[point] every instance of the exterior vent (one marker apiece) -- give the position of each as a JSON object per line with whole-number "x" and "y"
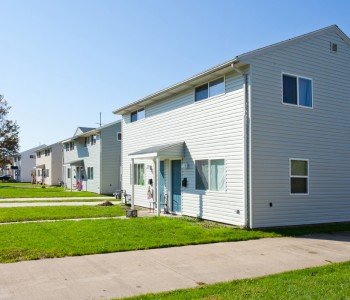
{"x": 334, "y": 47}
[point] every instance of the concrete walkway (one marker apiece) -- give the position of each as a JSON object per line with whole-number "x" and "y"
{"x": 61, "y": 203}
{"x": 57, "y": 198}
{"x": 131, "y": 273}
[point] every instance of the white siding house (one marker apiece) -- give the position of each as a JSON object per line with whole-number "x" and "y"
{"x": 91, "y": 159}
{"x": 23, "y": 165}
{"x": 261, "y": 140}
{"x": 48, "y": 169}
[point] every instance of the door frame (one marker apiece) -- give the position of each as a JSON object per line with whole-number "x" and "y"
{"x": 171, "y": 186}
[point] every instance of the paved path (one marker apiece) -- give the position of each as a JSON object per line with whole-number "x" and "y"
{"x": 130, "y": 273}
{"x": 57, "y": 198}
{"x": 61, "y": 203}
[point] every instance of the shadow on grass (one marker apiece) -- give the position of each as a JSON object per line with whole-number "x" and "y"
{"x": 321, "y": 231}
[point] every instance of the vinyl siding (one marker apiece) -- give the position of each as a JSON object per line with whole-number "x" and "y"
{"x": 212, "y": 128}
{"x": 91, "y": 157}
{"x": 110, "y": 159}
{"x": 280, "y": 132}
{"x": 25, "y": 165}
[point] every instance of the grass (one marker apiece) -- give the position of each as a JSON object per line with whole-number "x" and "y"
{"x": 17, "y": 214}
{"x": 327, "y": 282}
{"x": 69, "y": 238}
{"x": 27, "y": 190}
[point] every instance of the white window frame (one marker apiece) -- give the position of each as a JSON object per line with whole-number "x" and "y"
{"x": 90, "y": 171}
{"x": 209, "y": 97}
{"x": 121, "y": 136}
{"x": 299, "y": 176}
{"x": 136, "y": 176}
{"x": 137, "y": 110}
{"x": 297, "y": 77}
{"x": 209, "y": 164}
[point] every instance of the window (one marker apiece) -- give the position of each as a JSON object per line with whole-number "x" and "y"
{"x": 93, "y": 139}
{"x": 139, "y": 174}
{"x": 299, "y": 176}
{"x": 202, "y": 170}
{"x": 31, "y": 156}
{"x": 137, "y": 115}
{"x": 90, "y": 171}
{"x": 47, "y": 152}
{"x": 47, "y": 173}
{"x": 39, "y": 173}
{"x": 85, "y": 142}
{"x": 297, "y": 90}
{"x": 68, "y": 173}
{"x": 66, "y": 146}
{"x": 38, "y": 154}
{"x": 210, "y": 175}
{"x": 119, "y": 136}
{"x": 210, "y": 89}
{"x": 71, "y": 146}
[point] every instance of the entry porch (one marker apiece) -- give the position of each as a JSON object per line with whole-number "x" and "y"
{"x": 159, "y": 170}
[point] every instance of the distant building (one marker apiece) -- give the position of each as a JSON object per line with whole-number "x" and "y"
{"x": 91, "y": 159}
{"x": 23, "y": 165}
{"x": 48, "y": 169}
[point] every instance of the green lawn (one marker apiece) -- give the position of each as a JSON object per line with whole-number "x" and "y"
{"x": 27, "y": 190}
{"x": 68, "y": 238}
{"x": 17, "y": 214}
{"x": 328, "y": 282}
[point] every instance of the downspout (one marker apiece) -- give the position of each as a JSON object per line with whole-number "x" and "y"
{"x": 247, "y": 145}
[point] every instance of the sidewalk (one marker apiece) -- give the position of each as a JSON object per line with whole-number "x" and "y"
{"x": 61, "y": 203}
{"x": 105, "y": 276}
{"x": 57, "y": 198}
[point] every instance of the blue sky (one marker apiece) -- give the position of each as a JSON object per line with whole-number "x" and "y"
{"x": 63, "y": 62}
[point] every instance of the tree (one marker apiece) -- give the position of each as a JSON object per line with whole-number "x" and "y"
{"x": 9, "y": 134}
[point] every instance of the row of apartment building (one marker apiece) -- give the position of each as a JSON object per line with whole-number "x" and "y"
{"x": 261, "y": 140}
{"x": 89, "y": 161}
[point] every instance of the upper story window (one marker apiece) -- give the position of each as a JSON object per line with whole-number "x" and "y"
{"x": 69, "y": 146}
{"x": 86, "y": 141}
{"x": 93, "y": 139}
{"x": 210, "y": 89}
{"x": 38, "y": 154}
{"x": 119, "y": 136}
{"x": 137, "y": 115}
{"x": 297, "y": 90}
{"x": 47, "y": 152}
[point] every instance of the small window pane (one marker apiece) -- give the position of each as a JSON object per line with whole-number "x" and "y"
{"x": 298, "y": 185}
{"x": 216, "y": 87}
{"x": 141, "y": 174}
{"x": 141, "y": 114}
{"x": 305, "y": 92}
{"x": 134, "y": 116}
{"x": 217, "y": 175}
{"x": 201, "y": 92}
{"x": 299, "y": 168}
{"x": 202, "y": 174}
{"x": 290, "y": 89}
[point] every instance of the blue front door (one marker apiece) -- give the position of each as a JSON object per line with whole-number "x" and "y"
{"x": 161, "y": 185}
{"x": 176, "y": 185}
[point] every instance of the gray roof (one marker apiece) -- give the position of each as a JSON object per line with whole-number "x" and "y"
{"x": 233, "y": 64}
{"x": 86, "y": 129}
{"x": 90, "y": 131}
